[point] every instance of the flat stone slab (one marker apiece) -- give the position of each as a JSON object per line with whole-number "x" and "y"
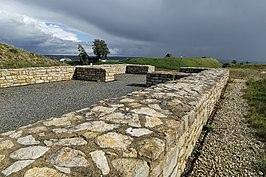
{"x": 32, "y": 152}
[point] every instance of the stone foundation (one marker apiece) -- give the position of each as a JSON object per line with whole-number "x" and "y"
{"x": 158, "y": 77}
{"x": 191, "y": 69}
{"x": 146, "y": 133}
{"x": 26, "y": 76}
{"x": 105, "y": 73}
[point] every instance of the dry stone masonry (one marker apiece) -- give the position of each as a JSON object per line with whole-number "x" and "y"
{"x": 26, "y": 76}
{"x": 146, "y": 133}
{"x": 104, "y": 73}
{"x": 153, "y": 78}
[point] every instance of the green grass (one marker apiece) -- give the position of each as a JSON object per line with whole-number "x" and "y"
{"x": 172, "y": 63}
{"x": 12, "y": 57}
{"x": 256, "y": 96}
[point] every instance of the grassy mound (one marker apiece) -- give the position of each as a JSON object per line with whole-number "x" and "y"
{"x": 174, "y": 63}
{"x": 12, "y": 57}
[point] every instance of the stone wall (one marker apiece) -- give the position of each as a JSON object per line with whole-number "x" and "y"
{"x": 139, "y": 69}
{"x": 105, "y": 73}
{"x": 26, "y": 76}
{"x": 146, "y": 133}
{"x": 157, "y": 77}
{"x": 191, "y": 69}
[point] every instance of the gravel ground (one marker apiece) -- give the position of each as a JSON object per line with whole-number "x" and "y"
{"x": 231, "y": 148}
{"x": 28, "y": 104}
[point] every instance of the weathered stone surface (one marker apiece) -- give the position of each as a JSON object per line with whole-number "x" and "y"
{"x": 100, "y": 160}
{"x": 66, "y": 142}
{"x": 103, "y": 110}
{"x": 2, "y": 157}
{"x": 97, "y": 126}
{"x": 17, "y": 166}
{"x": 63, "y": 169}
{"x": 8, "y": 133}
{"x": 151, "y": 148}
{"x": 131, "y": 152}
{"x": 57, "y": 122}
{"x": 138, "y": 131}
{"x": 149, "y": 112}
{"x": 152, "y": 121}
{"x": 28, "y": 140}
{"x": 37, "y": 129}
{"x": 121, "y": 118}
{"x": 43, "y": 172}
{"x": 114, "y": 141}
{"x": 32, "y": 152}
{"x": 127, "y": 100}
{"x": 130, "y": 167}
{"x": 16, "y": 134}
{"x": 7, "y": 144}
{"x": 90, "y": 135}
{"x": 68, "y": 157}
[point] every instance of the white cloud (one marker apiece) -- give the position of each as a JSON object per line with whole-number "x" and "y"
{"x": 29, "y": 33}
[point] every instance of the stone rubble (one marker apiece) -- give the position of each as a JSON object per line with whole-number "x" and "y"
{"x": 146, "y": 133}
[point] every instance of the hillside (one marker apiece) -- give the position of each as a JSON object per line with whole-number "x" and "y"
{"x": 174, "y": 63}
{"x": 12, "y": 57}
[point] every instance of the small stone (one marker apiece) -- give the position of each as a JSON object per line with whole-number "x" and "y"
{"x": 134, "y": 105}
{"x": 97, "y": 126}
{"x": 68, "y": 157}
{"x": 7, "y": 144}
{"x": 131, "y": 152}
{"x": 16, "y": 134}
{"x": 130, "y": 167}
{"x": 127, "y": 100}
{"x": 28, "y": 140}
{"x": 8, "y": 133}
{"x": 90, "y": 135}
{"x": 114, "y": 141}
{"x": 65, "y": 142}
{"x": 2, "y": 157}
{"x": 151, "y": 148}
{"x": 123, "y": 119}
{"x": 59, "y": 130}
{"x": 37, "y": 129}
{"x": 152, "y": 121}
{"x": 148, "y": 112}
{"x": 38, "y": 172}
{"x": 138, "y": 131}
{"x": 103, "y": 110}
{"x": 57, "y": 122}
{"x": 155, "y": 106}
{"x": 98, "y": 157}
{"x": 63, "y": 169}
{"x": 17, "y": 166}
{"x": 32, "y": 152}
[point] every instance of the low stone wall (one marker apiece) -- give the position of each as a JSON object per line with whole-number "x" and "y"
{"x": 146, "y": 133}
{"x": 139, "y": 69}
{"x": 92, "y": 74}
{"x": 157, "y": 77}
{"x": 191, "y": 69}
{"x": 105, "y": 73}
{"x": 26, "y": 76}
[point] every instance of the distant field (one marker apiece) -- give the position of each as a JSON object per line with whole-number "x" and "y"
{"x": 12, "y": 57}
{"x": 172, "y": 63}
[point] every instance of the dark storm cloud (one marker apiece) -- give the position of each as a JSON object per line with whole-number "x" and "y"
{"x": 234, "y": 29}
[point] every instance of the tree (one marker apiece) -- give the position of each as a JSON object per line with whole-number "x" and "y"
{"x": 100, "y": 49}
{"x": 83, "y": 56}
{"x": 234, "y": 62}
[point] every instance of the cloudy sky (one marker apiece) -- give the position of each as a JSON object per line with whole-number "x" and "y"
{"x": 225, "y": 29}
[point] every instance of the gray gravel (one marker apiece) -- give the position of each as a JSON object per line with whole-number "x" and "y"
{"x": 231, "y": 149}
{"x": 21, "y": 106}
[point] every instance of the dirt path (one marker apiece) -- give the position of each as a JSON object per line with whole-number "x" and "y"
{"x": 231, "y": 148}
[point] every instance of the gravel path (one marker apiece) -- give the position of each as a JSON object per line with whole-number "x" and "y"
{"x": 25, "y": 105}
{"x": 231, "y": 149}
